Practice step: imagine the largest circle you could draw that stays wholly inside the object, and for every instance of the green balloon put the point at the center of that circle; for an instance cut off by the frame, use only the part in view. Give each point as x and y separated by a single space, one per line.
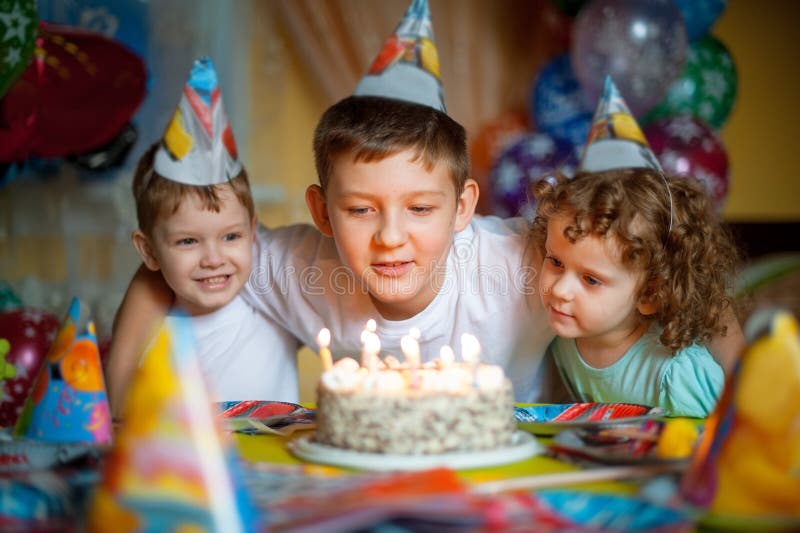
8 300
706 89
18 30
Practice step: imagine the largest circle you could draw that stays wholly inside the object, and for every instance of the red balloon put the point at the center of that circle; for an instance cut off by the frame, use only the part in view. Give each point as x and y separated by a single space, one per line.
28 334
687 146
79 91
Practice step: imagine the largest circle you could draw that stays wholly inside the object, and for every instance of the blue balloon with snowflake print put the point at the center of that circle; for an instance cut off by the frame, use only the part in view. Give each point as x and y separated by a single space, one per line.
525 162
558 103
699 15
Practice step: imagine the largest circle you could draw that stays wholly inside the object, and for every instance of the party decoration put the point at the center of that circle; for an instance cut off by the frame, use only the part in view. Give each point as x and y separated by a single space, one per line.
746 471
170 468
25 338
8 299
706 87
569 7
78 93
699 15
407 68
688 147
615 140
525 162
17 39
641 45
559 104
111 154
492 139
68 402
198 147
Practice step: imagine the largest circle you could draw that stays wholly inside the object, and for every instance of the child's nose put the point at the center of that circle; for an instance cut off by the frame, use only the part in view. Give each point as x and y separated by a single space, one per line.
562 287
392 231
212 257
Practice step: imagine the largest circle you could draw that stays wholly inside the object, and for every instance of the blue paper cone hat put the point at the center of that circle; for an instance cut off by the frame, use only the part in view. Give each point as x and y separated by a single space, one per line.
407 68
615 139
198 147
171 467
745 473
68 401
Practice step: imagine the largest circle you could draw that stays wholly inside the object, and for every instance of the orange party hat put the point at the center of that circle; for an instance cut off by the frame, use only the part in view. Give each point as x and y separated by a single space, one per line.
615 139
171 469
745 473
68 401
407 67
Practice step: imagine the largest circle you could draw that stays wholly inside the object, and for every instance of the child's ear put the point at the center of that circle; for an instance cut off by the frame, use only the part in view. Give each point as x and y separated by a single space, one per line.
647 306
465 207
142 245
315 200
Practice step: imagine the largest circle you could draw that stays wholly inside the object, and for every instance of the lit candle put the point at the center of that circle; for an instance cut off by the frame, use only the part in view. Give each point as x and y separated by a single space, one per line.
447 356
372 345
369 328
324 340
410 348
470 352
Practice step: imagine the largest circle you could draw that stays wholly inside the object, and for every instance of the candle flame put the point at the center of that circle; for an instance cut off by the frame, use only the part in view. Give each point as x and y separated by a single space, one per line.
324 338
447 355
371 325
470 348
415 333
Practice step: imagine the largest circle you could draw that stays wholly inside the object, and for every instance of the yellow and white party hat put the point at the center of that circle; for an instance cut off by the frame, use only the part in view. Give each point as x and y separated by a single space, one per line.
198 147
407 67
615 139
171 469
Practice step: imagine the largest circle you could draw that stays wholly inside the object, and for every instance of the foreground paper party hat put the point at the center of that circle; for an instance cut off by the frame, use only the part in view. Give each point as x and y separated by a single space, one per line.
68 401
198 147
407 68
746 470
170 468
615 139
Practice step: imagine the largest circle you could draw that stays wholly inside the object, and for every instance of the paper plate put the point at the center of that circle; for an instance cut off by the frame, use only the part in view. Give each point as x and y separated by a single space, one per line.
259 416
523 445
552 418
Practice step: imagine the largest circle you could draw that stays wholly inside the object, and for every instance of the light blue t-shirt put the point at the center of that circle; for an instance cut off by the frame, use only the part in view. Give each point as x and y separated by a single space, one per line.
685 384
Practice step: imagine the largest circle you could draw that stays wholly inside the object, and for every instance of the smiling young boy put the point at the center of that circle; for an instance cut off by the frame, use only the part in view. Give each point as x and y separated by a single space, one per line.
196 230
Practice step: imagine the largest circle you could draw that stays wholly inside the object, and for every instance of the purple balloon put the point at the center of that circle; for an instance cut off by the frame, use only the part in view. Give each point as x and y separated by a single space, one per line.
523 163
641 44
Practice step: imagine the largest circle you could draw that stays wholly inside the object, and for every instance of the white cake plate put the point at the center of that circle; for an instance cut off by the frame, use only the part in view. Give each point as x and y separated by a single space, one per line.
523 445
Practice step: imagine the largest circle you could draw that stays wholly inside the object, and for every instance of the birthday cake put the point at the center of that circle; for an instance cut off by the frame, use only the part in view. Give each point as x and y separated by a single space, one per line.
414 410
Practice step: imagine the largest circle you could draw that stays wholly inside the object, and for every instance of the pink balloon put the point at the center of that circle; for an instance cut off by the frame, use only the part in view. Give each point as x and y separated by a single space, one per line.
28 334
689 147
640 44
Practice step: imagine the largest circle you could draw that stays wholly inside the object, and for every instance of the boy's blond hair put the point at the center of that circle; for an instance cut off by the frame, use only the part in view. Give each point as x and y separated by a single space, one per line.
157 196
371 128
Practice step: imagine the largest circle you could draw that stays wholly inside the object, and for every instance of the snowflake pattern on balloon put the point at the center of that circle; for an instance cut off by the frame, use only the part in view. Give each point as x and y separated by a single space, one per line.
17 39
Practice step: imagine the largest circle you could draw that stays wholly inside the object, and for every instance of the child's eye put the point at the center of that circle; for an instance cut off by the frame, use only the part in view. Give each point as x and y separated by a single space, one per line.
232 236
592 281
185 241
358 211
553 260
421 209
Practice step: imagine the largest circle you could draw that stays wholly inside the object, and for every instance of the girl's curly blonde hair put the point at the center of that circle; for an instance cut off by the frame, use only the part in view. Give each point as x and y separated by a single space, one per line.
687 268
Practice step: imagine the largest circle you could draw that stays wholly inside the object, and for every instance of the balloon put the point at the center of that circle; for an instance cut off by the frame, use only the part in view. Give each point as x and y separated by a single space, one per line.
25 338
491 141
699 15
526 161
17 39
8 298
705 89
687 146
569 7
110 155
78 94
641 45
559 105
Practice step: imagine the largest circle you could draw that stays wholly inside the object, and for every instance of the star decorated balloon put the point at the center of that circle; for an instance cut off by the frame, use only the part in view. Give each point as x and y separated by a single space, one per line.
17 39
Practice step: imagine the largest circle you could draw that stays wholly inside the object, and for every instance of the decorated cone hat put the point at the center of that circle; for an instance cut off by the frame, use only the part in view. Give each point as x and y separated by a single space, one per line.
68 401
198 147
615 138
170 468
745 472
407 68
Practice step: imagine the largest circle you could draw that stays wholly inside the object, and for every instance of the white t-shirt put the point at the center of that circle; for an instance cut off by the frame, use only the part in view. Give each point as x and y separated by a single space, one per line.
245 356
299 281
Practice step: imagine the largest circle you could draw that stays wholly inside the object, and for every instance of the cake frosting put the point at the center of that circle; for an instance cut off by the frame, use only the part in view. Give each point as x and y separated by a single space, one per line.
400 409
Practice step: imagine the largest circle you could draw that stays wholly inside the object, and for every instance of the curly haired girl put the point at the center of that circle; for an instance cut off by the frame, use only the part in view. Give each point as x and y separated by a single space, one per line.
634 280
